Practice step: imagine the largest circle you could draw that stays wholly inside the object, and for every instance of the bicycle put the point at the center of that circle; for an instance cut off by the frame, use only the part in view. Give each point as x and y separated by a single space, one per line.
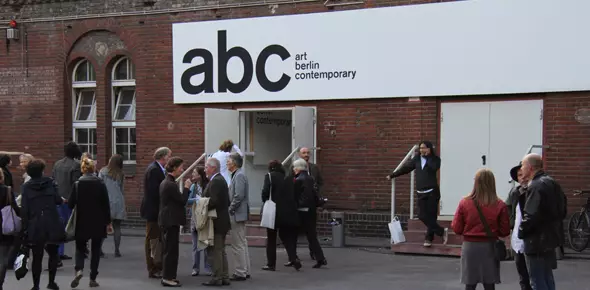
578 229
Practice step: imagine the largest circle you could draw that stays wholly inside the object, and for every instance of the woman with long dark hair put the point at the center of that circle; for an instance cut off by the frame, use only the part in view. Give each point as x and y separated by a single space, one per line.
426 166
6 161
113 177
478 258
200 181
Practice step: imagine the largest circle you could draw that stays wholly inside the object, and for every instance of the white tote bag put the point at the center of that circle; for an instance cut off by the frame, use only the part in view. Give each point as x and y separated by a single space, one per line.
269 210
397 234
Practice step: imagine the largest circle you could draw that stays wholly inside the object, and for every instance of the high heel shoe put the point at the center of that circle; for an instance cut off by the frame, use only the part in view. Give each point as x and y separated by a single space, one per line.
321 263
297 265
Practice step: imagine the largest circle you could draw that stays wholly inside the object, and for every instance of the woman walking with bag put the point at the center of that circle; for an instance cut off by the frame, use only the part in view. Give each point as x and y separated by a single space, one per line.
113 177
7 241
482 218
91 212
280 190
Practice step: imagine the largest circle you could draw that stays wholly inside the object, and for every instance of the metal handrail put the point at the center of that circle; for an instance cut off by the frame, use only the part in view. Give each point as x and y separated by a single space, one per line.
527 153
286 161
189 169
406 158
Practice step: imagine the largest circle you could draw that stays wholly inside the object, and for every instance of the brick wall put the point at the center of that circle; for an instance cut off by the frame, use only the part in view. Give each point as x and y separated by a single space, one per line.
361 140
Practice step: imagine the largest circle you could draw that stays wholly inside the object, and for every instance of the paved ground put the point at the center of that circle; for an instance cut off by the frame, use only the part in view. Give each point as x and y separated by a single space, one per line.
349 269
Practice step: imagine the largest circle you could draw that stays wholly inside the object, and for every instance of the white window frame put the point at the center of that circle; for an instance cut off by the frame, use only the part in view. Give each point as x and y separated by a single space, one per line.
121 124
78 86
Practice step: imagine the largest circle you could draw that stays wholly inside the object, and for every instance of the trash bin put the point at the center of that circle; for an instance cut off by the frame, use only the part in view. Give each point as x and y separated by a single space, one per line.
337 223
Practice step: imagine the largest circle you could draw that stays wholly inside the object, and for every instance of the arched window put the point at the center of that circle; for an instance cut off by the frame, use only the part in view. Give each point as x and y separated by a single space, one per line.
123 109
84 106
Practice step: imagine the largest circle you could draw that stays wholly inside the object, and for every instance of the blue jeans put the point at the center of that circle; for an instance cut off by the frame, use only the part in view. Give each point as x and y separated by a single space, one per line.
64 213
540 268
197 253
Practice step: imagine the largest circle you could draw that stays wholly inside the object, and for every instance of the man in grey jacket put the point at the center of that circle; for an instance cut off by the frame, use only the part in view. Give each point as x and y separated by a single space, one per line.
239 210
66 171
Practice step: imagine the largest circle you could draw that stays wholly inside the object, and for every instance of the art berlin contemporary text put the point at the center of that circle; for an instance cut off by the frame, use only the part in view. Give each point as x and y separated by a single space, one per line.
310 70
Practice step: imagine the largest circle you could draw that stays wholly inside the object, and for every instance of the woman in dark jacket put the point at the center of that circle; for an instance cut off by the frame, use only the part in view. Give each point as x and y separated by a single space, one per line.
6 242
42 227
90 199
172 216
5 161
280 190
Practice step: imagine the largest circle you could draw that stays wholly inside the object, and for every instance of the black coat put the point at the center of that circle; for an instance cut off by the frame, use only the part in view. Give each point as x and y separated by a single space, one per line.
218 193
150 205
172 203
8 177
93 209
543 214
304 191
41 221
4 201
284 198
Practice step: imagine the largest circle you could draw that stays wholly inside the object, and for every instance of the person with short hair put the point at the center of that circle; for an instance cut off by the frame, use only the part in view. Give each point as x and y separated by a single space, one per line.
150 208
239 210
478 259
90 198
42 227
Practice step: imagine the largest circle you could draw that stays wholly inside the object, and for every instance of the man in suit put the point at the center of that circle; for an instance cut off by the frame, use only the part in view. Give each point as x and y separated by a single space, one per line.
218 195
66 171
239 211
150 208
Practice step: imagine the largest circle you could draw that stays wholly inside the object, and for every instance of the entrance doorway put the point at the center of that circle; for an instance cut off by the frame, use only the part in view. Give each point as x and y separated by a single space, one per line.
495 135
263 135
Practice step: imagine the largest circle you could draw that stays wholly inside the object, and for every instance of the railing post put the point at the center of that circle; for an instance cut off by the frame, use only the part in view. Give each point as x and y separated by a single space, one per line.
412 195
392 198
409 155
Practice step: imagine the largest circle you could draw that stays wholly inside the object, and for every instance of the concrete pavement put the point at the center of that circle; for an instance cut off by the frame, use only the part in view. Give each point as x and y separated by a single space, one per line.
348 269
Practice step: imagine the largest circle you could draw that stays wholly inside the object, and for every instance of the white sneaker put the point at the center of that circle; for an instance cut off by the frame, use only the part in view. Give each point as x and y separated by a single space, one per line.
195 273
445 236
427 244
76 280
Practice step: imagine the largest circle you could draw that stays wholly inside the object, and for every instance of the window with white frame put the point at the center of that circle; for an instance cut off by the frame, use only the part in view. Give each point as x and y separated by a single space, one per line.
84 106
123 110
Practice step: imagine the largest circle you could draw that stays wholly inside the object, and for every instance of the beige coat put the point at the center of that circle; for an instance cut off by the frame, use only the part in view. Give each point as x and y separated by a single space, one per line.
204 222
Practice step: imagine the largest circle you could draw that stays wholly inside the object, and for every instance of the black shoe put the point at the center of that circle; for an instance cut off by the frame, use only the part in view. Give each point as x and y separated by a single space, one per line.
268 268
321 263
118 254
214 283
156 275
52 286
297 265
225 283
248 276
311 255
65 257
238 278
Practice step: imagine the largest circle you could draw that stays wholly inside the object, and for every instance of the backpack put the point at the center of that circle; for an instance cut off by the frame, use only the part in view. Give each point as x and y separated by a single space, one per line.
11 222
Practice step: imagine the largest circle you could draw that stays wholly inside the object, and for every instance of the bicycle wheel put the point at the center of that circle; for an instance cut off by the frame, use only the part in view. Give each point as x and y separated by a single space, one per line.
578 231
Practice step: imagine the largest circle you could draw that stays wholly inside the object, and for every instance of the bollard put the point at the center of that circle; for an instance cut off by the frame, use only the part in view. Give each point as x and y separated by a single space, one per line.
337 223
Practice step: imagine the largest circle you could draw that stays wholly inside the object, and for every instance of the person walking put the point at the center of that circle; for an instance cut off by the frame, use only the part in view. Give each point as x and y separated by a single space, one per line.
541 226
515 203
150 208
113 177
5 162
481 218
172 215
199 183
7 242
42 227
426 166
66 171
306 206
279 188
218 193
90 199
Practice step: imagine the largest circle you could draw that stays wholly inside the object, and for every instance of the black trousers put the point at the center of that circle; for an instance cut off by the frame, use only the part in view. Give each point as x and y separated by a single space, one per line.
36 268
428 206
308 224
271 247
485 287
288 236
523 272
170 236
95 251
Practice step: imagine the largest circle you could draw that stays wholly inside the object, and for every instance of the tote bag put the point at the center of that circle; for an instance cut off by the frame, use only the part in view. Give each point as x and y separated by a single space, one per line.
397 233
269 210
71 226
11 222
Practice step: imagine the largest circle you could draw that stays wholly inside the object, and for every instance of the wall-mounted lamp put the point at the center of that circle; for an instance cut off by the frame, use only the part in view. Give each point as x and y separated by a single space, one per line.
12 30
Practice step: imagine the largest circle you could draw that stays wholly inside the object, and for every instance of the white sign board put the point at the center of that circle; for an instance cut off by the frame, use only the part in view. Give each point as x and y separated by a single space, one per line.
455 48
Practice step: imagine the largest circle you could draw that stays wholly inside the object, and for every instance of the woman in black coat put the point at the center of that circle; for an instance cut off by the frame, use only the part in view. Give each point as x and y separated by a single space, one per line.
172 216
5 161
90 199
279 187
6 241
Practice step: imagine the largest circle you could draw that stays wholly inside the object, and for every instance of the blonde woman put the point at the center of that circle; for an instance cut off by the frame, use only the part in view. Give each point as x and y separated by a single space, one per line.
113 177
478 260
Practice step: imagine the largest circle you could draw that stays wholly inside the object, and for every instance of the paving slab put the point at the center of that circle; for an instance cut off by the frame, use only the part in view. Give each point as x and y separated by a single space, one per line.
348 269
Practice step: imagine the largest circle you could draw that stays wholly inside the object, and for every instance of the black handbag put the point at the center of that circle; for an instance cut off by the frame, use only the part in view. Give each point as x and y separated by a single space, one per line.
500 252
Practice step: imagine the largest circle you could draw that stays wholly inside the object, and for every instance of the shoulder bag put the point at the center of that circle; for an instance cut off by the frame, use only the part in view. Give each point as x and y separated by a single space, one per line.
499 245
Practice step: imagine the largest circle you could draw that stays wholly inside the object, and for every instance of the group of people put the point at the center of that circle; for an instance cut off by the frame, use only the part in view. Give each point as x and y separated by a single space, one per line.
76 203
218 197
532 215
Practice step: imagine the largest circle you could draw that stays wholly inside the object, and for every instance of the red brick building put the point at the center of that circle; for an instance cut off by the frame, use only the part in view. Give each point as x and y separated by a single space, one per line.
102 73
